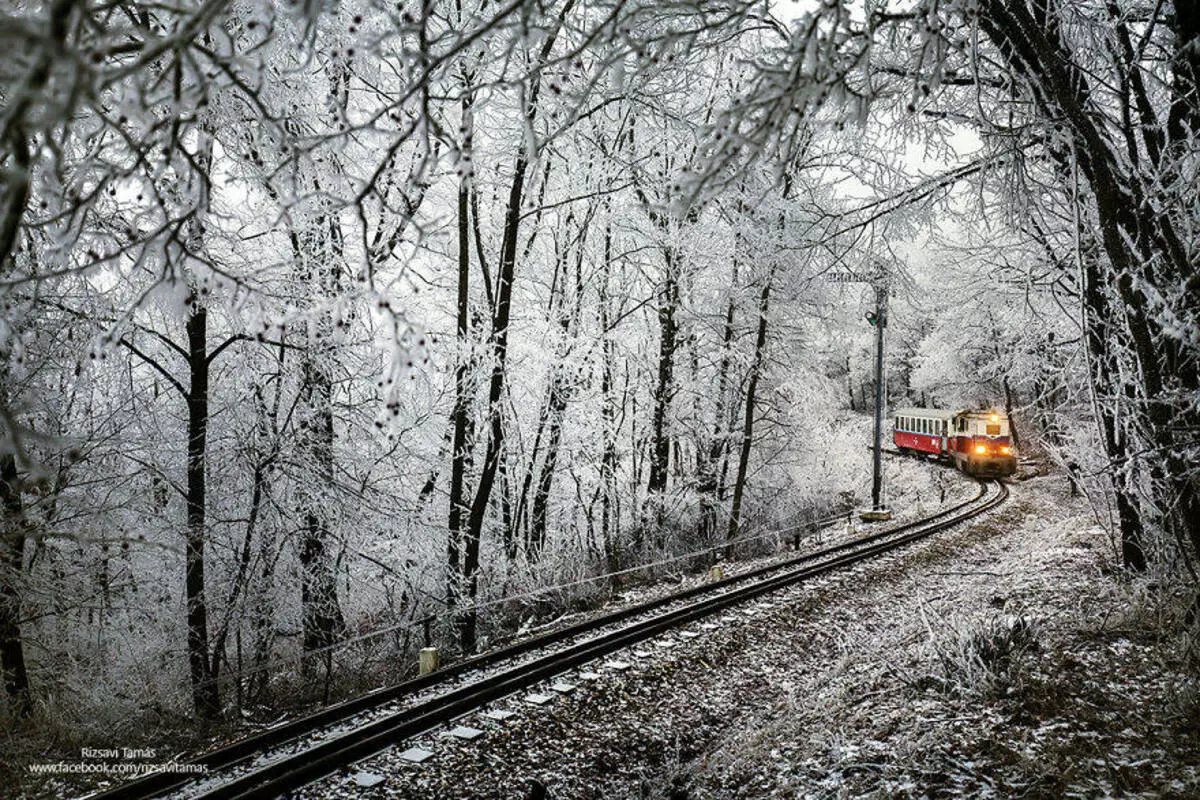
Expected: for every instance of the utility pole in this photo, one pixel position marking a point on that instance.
(879, 320)
(878, 279)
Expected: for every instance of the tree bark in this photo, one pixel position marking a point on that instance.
(660, 437)
(12, 566)
(718, 448)
(319, 251)
(469, 619)
(463, 423)
(760, 342)
(468, 622)
(321, 613)
(610, 522)
(205, 696)
(1131, 242)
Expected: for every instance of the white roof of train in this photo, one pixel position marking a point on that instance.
(926, 413)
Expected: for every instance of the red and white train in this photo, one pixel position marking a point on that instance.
(978, 442)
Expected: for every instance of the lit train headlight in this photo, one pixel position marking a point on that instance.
(1006, 450)
(981, 449)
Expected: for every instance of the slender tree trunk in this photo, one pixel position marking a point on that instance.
(557, 399)
(231, 615)
(541, 498)
(660, 437)
(1008, 411)
(469, 620)
(520, 529)
(710, 472)
(850, 383)
(739, 486)
(609, 513)
(507, 515)
(463, 426)
(499, 345)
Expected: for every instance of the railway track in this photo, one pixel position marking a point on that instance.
(291, 755)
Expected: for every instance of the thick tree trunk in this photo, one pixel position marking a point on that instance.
(205, 696)
(321, 613)
(1096, 337)
(1133, 239)
(12, 565)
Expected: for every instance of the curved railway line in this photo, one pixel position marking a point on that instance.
(291, 755)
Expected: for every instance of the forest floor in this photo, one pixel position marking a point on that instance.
(1004, 658)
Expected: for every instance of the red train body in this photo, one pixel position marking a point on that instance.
(977, 442)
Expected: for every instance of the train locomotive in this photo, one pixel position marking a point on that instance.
(979, 443)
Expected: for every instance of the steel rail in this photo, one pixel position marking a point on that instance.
(229, 755)
(327, 757)
(322, 758)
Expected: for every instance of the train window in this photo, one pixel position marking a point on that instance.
(993, 430)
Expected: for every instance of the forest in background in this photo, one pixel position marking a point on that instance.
(324, 320)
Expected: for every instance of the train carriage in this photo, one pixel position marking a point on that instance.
(922, 430)
(977, 442)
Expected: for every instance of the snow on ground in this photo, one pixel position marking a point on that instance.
(1009, 663)
(1001, 658)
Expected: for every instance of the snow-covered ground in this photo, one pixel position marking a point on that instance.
(1000, 658)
